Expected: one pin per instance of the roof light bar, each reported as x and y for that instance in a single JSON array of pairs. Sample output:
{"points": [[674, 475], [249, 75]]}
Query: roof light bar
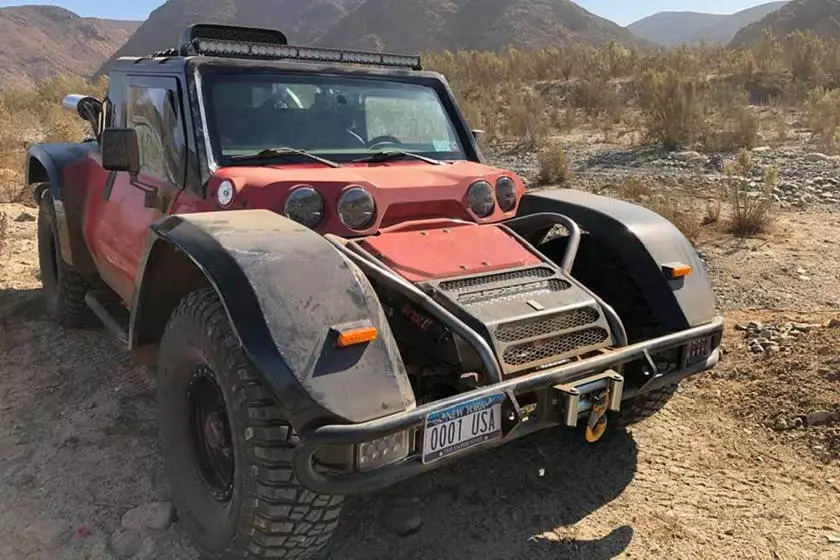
{"points": [[268, 51]]}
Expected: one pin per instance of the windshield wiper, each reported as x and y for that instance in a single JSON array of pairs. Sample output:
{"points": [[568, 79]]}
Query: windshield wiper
{"points": [[284, 151], [394, 154]]}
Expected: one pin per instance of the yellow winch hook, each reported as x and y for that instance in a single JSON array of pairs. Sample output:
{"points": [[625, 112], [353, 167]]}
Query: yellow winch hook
{"points": [[596, 425]]}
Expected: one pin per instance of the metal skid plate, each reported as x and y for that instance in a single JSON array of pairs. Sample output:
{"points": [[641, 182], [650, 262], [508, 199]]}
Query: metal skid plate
{"points": [[534, 316]]}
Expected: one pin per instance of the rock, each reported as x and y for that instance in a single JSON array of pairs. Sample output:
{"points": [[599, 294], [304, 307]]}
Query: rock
{"points": [[796, 423], [402, 522], [816, 156], [834, 324], [804, 278], [761, 149], [772, 349], [781, 425], [156, 516], [126, 543], [51, 533], [687, 156], [25, 217], [818, 418], [742, 327]]}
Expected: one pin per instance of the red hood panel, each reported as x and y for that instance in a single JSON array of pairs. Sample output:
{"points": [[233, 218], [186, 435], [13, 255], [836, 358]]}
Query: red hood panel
{"points": [[402, 190], [446, 252]]}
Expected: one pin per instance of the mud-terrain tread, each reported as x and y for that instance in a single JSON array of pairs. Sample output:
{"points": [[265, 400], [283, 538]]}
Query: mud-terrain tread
{"points": [[644, 406], [67, 305], [278, 518]]}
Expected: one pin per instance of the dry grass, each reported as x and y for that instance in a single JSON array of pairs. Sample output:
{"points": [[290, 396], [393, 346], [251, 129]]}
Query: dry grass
{"points": [[4, 231], [824, 117], [554, 166], [33, 116], [700, 97], [752, 206], [677, 210]]}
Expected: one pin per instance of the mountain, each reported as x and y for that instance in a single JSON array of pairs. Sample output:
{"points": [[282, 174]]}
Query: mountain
{"points": [[420, 25], [820, 16], [396, 25], [38, 42], [674, 28], [304, 21]]}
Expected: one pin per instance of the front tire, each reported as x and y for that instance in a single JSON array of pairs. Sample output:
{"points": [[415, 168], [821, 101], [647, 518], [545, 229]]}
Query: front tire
{"points": [[642, 407], [227, 448]]}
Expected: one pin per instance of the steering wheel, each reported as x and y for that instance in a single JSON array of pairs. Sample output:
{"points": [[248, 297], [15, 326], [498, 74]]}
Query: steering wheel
{"points": [[383, 141]]}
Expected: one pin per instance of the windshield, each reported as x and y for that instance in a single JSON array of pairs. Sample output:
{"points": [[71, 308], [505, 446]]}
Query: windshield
{"points": [[335, 117]]}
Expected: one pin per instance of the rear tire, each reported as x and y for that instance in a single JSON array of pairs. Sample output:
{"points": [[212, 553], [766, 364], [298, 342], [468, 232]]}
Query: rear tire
{"points": [[64, 288], [230, 469]]}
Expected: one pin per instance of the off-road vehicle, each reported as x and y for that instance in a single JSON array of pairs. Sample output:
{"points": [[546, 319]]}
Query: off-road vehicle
{"points": [[337, 292]]}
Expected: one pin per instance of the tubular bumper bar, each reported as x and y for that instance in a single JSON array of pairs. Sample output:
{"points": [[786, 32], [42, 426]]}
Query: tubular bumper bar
{"points": [[346, 435]]}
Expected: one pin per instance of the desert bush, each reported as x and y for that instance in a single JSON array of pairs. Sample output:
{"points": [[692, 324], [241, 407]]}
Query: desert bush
{"points": [[4, 230], [752, 206], [671, 108], [554, 166], [823, 110], [634, 189]]}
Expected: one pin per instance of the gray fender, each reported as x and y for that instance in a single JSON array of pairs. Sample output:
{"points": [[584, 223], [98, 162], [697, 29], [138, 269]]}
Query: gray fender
{"points": [[45, 164], [644, 241], [284, 288]]}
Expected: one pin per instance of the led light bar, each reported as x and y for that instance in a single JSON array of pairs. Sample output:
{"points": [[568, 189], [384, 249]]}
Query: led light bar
{"points": [[264, 51]]}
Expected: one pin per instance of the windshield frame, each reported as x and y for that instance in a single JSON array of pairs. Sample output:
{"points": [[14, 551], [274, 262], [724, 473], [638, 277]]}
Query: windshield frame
{"points": [[209, 73]]}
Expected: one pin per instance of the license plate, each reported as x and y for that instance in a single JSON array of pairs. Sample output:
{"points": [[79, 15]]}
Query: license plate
{"points": [[462, 426]]}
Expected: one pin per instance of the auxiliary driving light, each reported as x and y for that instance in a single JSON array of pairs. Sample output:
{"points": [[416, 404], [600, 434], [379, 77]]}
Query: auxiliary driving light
{"points": [[356, 208], [482, 199], [384, 451], [506, 194], [305, 206]]}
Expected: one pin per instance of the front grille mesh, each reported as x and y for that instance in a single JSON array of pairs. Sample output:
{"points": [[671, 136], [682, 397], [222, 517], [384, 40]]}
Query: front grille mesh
{"points": [[540, 350], [516, 291], [529, 328], [464, 284]]}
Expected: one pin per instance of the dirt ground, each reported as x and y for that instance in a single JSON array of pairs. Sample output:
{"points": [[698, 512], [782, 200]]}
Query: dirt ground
{"points": [[708, 478]]}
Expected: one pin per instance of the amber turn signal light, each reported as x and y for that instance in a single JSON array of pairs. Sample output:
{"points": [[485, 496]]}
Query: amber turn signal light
{"points": [[674, 271], [352, 337]]}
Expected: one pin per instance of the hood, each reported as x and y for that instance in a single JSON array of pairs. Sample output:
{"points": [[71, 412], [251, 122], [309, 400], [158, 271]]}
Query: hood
{"points": [[403, 191]]}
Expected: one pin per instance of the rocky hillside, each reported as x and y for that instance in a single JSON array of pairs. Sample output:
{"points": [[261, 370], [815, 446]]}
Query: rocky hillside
{"points": [[820, 16], [37, 42], [674, 28], [388, 24], [304, 21], [471, 24]]}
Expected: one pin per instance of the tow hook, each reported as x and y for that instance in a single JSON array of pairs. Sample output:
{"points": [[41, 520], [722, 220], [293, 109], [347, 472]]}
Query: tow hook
{"points": [[597, 423]]}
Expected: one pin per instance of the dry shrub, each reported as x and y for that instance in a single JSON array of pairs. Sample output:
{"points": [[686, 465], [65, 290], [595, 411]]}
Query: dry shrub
{"points": [[671, 108], [4, 231], [635, 189], [824, 117], [526, 120], [752, 207], [733, 126], [554, 166]]}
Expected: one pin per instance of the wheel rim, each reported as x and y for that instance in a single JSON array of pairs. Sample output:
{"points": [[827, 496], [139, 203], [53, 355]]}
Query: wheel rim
{"points": [[210, 434]]}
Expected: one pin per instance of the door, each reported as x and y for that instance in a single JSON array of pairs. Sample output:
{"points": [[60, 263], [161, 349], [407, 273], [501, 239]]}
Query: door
{"points": [[118, 223]]}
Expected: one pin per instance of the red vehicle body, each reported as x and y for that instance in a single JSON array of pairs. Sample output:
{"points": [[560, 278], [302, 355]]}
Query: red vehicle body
{"points": [[327, 316]]}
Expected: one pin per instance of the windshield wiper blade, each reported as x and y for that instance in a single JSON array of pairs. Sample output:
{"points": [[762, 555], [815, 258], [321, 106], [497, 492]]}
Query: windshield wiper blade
{"points": [[393, 154], [284, 151]]}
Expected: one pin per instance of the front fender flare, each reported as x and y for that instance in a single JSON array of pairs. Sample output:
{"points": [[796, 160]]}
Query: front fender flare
{"points": [[644, 241], [284, 287]]}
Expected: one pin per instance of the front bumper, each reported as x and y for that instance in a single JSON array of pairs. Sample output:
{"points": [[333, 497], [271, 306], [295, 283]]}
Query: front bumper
{"points": [[346, 483]]}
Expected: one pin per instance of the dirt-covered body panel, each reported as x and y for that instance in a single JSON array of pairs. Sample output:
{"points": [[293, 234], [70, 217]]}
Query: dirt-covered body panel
{"points": [[644, 242], [286, 291]]}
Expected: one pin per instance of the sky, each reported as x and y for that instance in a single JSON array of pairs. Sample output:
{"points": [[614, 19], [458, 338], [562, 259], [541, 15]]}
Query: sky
{"points": [[622, 12]]}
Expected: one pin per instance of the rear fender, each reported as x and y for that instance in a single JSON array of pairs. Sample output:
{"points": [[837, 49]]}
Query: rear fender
{"points": [[284, 287], [47, 167], [643, 241]]}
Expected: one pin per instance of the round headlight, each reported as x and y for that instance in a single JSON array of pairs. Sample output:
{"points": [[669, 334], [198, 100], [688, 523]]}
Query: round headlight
{"points": [[506, 194], [356, 208], [482, 201], [305, 206]]}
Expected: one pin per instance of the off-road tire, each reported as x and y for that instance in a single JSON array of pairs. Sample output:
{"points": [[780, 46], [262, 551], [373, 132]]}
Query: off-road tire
{"points": [[64, 288], [268, 513], [641, 408]]}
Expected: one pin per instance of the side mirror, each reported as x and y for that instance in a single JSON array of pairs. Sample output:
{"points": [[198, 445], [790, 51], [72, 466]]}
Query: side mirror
{"points": [[120, 150], [88, 108]]}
